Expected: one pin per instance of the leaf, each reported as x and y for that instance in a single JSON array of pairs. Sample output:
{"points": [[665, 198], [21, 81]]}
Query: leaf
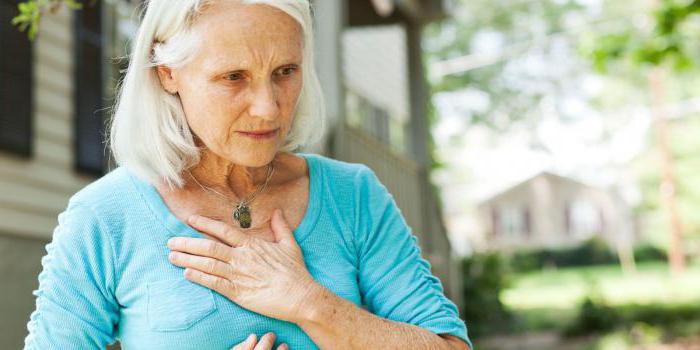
{"points": [[31, 11]]}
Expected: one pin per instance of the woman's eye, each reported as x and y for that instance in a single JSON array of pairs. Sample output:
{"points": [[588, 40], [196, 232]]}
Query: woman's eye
{"points": [[234, 76], [287, 71]]}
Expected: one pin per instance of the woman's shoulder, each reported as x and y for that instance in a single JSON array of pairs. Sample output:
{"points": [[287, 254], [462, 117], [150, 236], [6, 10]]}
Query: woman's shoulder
{"points": [[349, 185], [110, 199], [106, 191], [87, 223], [338, 170]]}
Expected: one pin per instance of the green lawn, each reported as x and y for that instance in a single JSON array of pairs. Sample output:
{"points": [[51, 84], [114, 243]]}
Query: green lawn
{"points": [[562, 290], [550, 300]]}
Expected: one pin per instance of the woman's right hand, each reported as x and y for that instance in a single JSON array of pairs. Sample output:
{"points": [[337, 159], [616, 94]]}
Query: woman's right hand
{"points": [[265, 343]]}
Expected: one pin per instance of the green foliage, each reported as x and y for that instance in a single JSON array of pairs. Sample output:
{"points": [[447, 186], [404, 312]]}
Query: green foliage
{"points": [[659, 314], [685, 150], [515, 26], [648, 252], [573, 300], [593, 317], [670, 41], [605, 48], [591, 252], [30, 13], [484, 277]]}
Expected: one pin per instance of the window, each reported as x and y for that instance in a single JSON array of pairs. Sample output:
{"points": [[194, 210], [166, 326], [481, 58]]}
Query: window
{"points": [[375, 121], [89, 95], [513, 221], [495, 222], [584, 219], [15, 84], [376, 78]]}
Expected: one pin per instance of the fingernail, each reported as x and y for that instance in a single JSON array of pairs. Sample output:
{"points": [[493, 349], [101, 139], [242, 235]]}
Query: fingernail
{"points": [[174, 242], [250, 338]]}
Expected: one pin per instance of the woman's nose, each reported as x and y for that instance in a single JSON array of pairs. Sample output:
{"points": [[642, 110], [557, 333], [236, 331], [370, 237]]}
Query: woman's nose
{"points": [[264, 103]]}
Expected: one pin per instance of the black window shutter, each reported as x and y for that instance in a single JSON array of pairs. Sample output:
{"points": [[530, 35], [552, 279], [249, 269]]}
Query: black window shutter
{"points": [[15, 84], [89, 96]]}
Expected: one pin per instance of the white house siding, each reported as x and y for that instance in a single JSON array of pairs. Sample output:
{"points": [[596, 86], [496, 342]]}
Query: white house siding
{"points": [[34, 190], [375, 66]]}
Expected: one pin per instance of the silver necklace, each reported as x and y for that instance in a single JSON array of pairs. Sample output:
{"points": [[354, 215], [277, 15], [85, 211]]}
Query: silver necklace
{"points": [[241, 211]]}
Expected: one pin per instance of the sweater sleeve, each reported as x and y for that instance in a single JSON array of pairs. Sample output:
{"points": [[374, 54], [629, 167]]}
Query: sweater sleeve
{"points": [[395, 281], [75, 303]]}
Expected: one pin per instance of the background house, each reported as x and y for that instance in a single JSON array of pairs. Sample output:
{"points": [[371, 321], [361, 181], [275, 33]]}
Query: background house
{"points": [[54, 91], [552, 211]]}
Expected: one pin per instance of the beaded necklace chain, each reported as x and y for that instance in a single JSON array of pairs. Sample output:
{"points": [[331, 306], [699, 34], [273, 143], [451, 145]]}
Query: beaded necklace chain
{"points": [[241, 211]]}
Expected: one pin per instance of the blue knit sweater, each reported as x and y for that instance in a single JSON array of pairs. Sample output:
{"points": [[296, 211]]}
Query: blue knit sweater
{"points": [[106, 275]]}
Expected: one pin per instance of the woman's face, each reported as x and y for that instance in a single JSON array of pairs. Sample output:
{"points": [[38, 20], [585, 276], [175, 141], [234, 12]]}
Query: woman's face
{"points": [[244, 81]]}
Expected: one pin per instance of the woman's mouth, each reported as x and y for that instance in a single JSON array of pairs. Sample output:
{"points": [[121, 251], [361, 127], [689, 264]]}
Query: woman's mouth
{"points": [[259, 134]]}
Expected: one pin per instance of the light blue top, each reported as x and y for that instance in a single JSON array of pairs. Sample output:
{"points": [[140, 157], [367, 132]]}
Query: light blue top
{"points": [[107, 277]]}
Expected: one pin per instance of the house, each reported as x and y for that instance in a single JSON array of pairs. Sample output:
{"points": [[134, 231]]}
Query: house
{"points": [[54, 93], [552, 211]]}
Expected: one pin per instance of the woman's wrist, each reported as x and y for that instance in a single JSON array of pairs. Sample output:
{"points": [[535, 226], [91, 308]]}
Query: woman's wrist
{"points": [[313, 308]]}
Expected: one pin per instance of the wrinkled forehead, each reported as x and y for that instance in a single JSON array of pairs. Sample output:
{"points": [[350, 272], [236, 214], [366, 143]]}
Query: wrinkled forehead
{"points": [[230, 30]]}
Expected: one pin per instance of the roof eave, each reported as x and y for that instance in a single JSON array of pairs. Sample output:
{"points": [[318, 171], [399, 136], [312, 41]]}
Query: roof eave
{"points": [[425, 10]]}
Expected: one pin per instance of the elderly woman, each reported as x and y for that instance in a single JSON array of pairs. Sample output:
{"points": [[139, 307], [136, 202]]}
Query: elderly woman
{"points": [[211, 233]]}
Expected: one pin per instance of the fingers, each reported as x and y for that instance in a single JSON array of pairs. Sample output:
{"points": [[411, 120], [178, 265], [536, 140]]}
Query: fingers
{"points": [[202, 247], [266, 342], [219, 229], [247, 344], [201, 263], [280, 227], [211, 237], [216, 283]]}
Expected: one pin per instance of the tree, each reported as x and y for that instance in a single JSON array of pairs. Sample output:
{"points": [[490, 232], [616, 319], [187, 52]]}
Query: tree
{"points": [[669, 43], [488, 46]]}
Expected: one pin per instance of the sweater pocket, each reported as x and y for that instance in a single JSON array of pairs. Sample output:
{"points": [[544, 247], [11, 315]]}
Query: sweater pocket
{"points": [[177, 304]]}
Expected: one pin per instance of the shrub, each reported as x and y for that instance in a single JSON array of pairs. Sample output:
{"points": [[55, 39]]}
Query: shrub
{"points": [[591, 252], [647, 252], [596, 317], [484, 277], [594, 251], [593, 317]]}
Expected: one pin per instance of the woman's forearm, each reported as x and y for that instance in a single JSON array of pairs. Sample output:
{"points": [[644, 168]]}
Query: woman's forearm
{"points": [[335, 323]]}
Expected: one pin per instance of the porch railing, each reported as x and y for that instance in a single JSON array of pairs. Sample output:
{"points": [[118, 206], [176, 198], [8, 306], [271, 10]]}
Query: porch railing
{"points": [[408, 182]]}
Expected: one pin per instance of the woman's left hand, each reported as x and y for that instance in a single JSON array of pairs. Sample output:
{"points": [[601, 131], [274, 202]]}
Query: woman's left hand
{"points": [[269, 278]]}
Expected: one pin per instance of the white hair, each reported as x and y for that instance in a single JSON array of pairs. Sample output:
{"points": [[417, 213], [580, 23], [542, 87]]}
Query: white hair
{"points": [[149, 134]]}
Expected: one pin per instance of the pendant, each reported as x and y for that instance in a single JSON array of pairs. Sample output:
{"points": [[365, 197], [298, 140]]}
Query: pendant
{"points": [[242, 215]]}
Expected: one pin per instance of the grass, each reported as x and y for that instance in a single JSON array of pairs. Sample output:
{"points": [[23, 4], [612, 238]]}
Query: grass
{"points": [[650, 307], [564, 289], [550, 300]]}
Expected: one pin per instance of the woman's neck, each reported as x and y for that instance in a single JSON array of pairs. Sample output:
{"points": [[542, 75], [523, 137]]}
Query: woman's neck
{"points": [[227, 177]]}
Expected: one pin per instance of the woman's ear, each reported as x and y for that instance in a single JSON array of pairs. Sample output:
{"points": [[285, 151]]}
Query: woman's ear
{"points": [[165, 74]]}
